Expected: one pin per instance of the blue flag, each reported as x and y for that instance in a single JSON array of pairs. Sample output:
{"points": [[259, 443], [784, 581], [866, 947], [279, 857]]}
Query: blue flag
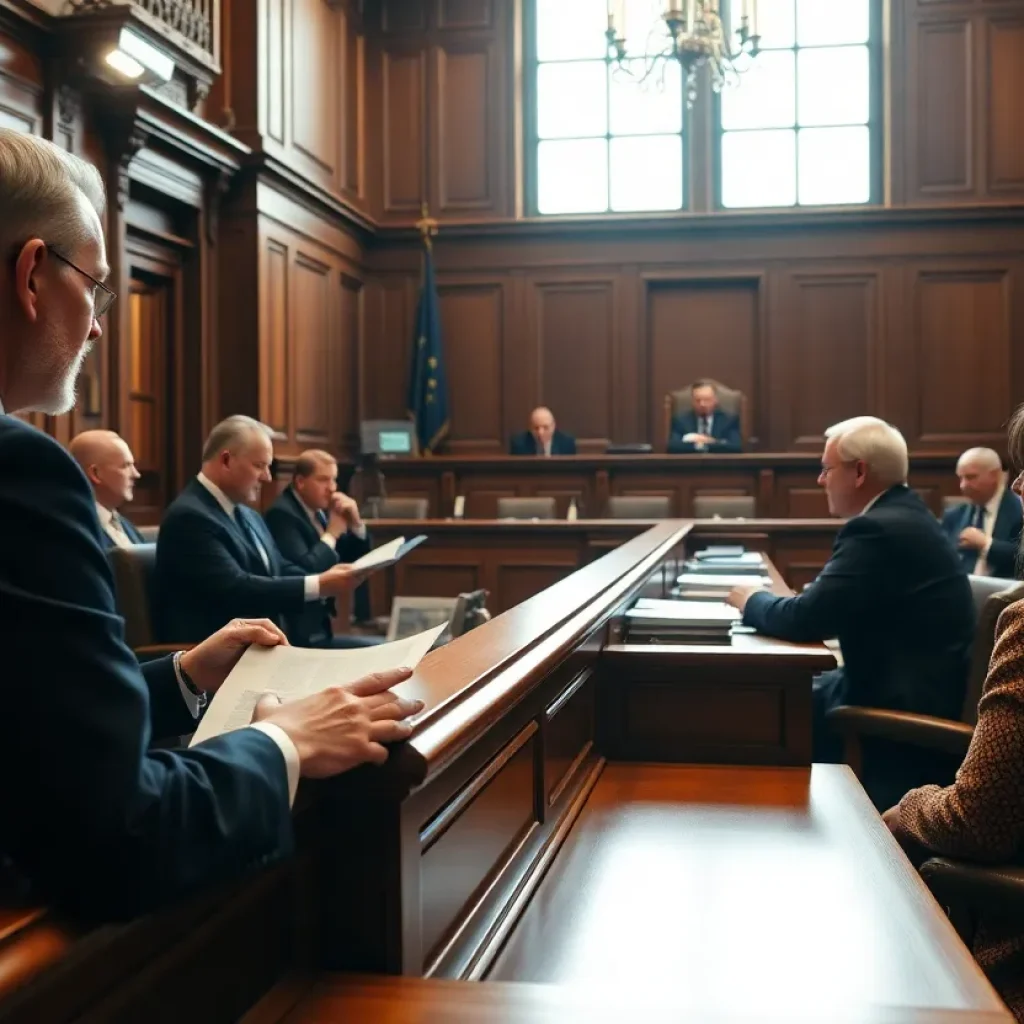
{"points": [[428, 385]]}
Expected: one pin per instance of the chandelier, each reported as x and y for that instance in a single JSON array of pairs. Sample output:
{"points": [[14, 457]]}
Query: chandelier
{"points": [[694, 34]]}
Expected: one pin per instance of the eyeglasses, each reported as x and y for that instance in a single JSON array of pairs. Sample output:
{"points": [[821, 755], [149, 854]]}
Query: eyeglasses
{"points": [[102, 296]]}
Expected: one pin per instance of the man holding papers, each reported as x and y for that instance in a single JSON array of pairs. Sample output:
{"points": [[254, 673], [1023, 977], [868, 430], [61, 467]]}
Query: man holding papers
{"points": [[90, 816], [216, 559], [893, 592]]}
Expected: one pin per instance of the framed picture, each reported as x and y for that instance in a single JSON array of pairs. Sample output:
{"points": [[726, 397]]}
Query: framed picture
{"points": [[411, 615]]}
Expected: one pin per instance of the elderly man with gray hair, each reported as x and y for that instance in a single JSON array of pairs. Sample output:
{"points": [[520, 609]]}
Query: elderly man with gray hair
{"points": [[91, 817], [893, 592], [986, 528]]}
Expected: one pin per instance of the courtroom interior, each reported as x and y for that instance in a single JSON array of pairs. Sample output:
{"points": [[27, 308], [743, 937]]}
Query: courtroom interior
{"points": [[512, 511]]}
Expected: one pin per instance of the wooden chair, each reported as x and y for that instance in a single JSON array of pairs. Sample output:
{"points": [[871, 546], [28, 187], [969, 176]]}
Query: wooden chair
{"points": [[724, 506], [730, 401], [134, 571], [526, 508], [402, 508]]}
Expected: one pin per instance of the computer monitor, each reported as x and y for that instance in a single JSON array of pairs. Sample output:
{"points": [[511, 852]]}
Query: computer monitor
{"points": [[412, 615], [470, 611], [387, 438]]}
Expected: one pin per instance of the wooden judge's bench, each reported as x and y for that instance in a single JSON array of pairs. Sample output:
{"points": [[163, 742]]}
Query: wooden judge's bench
{"points": [[579, 829]]}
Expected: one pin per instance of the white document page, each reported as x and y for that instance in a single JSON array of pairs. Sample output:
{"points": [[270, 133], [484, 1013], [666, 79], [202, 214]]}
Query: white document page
{"points": [[383, 555], [721, 580], [294, 672]]}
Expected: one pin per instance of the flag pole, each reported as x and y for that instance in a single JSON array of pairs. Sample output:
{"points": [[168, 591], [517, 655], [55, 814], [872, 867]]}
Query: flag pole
{"points": [[428, 228]]}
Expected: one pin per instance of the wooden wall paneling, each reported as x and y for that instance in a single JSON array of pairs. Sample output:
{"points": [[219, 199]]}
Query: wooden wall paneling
{"points": [[472, 329], [1003, 99], [573, 323], [347, 371], [460, 14], [275, 64], [964, 333], [398, 16], [823, 370], [390, 305], [940, 108], [403, 129], [313, 328], [354, 140], [468, 111], [21, 87], [702, 326], [275, 316]]}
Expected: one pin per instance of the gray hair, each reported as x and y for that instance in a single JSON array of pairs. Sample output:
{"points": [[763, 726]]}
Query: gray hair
{"points": [[41, 190], [983, 458], [879, 445], [231, 435]]}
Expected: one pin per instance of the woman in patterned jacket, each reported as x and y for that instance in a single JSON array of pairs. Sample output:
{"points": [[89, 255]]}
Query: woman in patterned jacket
{"points": [[980, 816]]}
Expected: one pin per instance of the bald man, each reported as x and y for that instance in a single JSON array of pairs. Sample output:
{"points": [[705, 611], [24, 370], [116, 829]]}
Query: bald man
{"points": [[543, 438], [986, 528], [109, 465]]}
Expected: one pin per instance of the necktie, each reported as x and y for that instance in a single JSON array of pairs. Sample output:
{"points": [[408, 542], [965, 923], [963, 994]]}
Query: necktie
{"points": [[251, 536], [978, 517], [118, 532], [321, 518], [706, 428]]}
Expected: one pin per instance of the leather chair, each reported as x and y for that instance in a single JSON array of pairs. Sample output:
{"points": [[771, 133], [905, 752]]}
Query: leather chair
{"points": [[724, 506], [526, 508], [134, 574], [402, 508], [969, 891], [730, 401], [639, 506], [946, 738]]}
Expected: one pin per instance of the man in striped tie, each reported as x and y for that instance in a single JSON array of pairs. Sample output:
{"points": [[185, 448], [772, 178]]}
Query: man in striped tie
{"points": [[109, 466]]}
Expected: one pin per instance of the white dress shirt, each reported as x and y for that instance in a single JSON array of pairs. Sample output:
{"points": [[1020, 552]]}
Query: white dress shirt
{"points": [[991, 511], [703, 427], [112, 527]]}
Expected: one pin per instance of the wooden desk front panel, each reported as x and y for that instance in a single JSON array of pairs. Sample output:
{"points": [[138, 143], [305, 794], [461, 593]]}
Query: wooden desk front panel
{"points": [[783, 485]]}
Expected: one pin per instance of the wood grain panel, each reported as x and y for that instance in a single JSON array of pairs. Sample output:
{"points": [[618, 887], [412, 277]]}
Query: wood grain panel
{"points": [[404, 15], [275, 70], [574, 321], [702, 328], [1005, 107], [436, 579], [344, 401], [466, 13], [940, 112], [310, 342], [517, 583], [468, 113], [404, 79], [390, 309], [274, 315], [316, 84], [471, 325], [353, 137], [825, 364], [964, 355]]}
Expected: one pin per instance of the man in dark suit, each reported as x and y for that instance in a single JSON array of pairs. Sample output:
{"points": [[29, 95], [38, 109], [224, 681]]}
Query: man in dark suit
{"points": [[893, 592], [986, 528], [543, 438], [704, 428], [109, 466], [216, 559], [92, 818], [315, 526]]}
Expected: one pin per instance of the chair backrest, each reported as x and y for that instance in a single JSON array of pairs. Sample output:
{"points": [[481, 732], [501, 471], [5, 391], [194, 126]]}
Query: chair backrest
{"points": [[149, 533], [402, 508], [134, 572], [723, 506], [639, 506], [526, 508], [991, 596], [730, 401]]}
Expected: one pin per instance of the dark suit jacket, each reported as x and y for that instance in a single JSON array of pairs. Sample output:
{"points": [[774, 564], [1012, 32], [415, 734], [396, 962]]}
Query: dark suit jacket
{"points": [[91, 817], [1002, 555], [208, 572], [897, 597], [299, 541], [129, 528], [725, 429], [526, 444]]}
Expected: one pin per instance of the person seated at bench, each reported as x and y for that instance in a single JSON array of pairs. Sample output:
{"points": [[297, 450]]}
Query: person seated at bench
{"points": [[92, 819], [704, 428], [980, 817], [543, 438], [893, 592], [109, 466], [986, 528]]}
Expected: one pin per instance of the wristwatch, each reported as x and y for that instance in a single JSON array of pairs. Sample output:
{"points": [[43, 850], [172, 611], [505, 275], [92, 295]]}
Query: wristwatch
{"points": [[185, 678]]}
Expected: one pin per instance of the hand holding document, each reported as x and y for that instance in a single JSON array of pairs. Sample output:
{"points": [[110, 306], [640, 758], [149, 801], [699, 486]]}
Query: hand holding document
{"points": [[296, 672], [387, 554]]}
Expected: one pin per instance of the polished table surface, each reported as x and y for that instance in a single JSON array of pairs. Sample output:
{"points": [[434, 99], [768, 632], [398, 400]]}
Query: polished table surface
{"points": [[733, 890]]}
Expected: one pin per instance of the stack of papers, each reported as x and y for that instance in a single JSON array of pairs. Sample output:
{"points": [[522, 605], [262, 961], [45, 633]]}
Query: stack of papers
{"points": [[747, 562], [651, 620], [720, 581]]}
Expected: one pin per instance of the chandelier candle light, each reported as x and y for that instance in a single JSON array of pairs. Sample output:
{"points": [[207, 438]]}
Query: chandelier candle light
{"points": [[694, 34]]}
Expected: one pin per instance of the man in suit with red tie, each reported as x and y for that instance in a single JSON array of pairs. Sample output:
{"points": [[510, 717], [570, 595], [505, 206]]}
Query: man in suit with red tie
{"points": [[109, 466], [986, 528], [315, 525]]}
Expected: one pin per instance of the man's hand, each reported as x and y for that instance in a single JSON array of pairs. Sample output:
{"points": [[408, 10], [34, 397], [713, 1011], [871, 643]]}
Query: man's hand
{"points": [[739, 596], [209, 663], [340, 580], [344, 514], [703, 439], [343, 726], [973, 538]]}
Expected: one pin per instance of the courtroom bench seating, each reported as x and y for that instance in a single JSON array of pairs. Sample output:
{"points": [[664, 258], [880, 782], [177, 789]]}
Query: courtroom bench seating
{"points": [[639, 506], [526, 508]]}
